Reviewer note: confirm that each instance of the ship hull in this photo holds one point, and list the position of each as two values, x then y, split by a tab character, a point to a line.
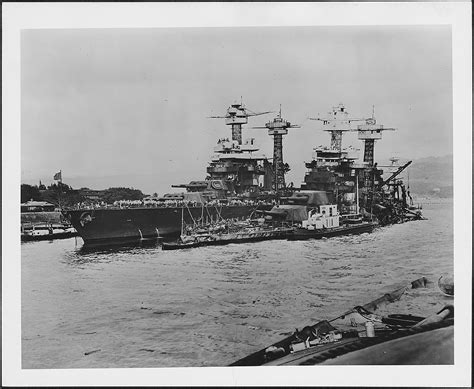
112	226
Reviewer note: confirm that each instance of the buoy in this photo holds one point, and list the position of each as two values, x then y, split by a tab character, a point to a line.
446	285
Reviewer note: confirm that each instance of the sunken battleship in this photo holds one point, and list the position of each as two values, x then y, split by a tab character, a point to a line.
358	188
242	182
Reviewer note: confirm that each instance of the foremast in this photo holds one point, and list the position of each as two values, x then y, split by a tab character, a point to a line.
238	162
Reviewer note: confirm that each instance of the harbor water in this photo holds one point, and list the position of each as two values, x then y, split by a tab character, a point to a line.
144	307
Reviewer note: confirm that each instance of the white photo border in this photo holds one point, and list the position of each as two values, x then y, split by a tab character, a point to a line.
18	16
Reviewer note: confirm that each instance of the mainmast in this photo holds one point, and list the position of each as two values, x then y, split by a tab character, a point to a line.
337	122
369	133
277	128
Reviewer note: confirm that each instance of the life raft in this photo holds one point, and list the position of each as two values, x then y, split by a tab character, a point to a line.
217	185
85	218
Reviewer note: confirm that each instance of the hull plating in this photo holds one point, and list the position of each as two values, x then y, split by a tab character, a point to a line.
105	226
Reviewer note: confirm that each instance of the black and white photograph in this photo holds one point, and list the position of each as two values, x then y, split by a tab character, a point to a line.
210	193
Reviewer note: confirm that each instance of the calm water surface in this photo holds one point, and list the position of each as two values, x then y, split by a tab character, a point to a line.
144	307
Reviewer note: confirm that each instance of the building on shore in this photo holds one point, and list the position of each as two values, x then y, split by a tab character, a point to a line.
37	206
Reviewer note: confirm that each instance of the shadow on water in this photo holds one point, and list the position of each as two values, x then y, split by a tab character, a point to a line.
118	247
112	252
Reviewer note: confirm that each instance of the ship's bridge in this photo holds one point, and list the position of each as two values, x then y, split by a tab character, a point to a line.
249	145
224	145
242	156
328	155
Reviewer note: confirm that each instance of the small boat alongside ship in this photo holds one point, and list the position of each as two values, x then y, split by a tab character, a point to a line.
319	233
366	337
47	232
326	224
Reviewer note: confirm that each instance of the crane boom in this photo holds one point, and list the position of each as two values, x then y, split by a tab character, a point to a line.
399	170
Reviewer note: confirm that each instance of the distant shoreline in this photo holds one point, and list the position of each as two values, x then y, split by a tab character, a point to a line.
432	200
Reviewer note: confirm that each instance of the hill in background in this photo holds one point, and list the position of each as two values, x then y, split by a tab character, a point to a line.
432	176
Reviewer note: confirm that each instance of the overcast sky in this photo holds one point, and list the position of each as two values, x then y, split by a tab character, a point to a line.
128	107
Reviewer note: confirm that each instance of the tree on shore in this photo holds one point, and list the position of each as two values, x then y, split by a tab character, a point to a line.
58	194
63	195
30	192
116	194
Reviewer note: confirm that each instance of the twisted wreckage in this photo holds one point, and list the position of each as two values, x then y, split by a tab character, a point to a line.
242	181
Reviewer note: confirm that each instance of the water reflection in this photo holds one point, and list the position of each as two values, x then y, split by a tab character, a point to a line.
119	246
110	253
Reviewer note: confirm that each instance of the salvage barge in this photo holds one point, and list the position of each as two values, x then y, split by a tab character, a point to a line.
226	231
242	236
